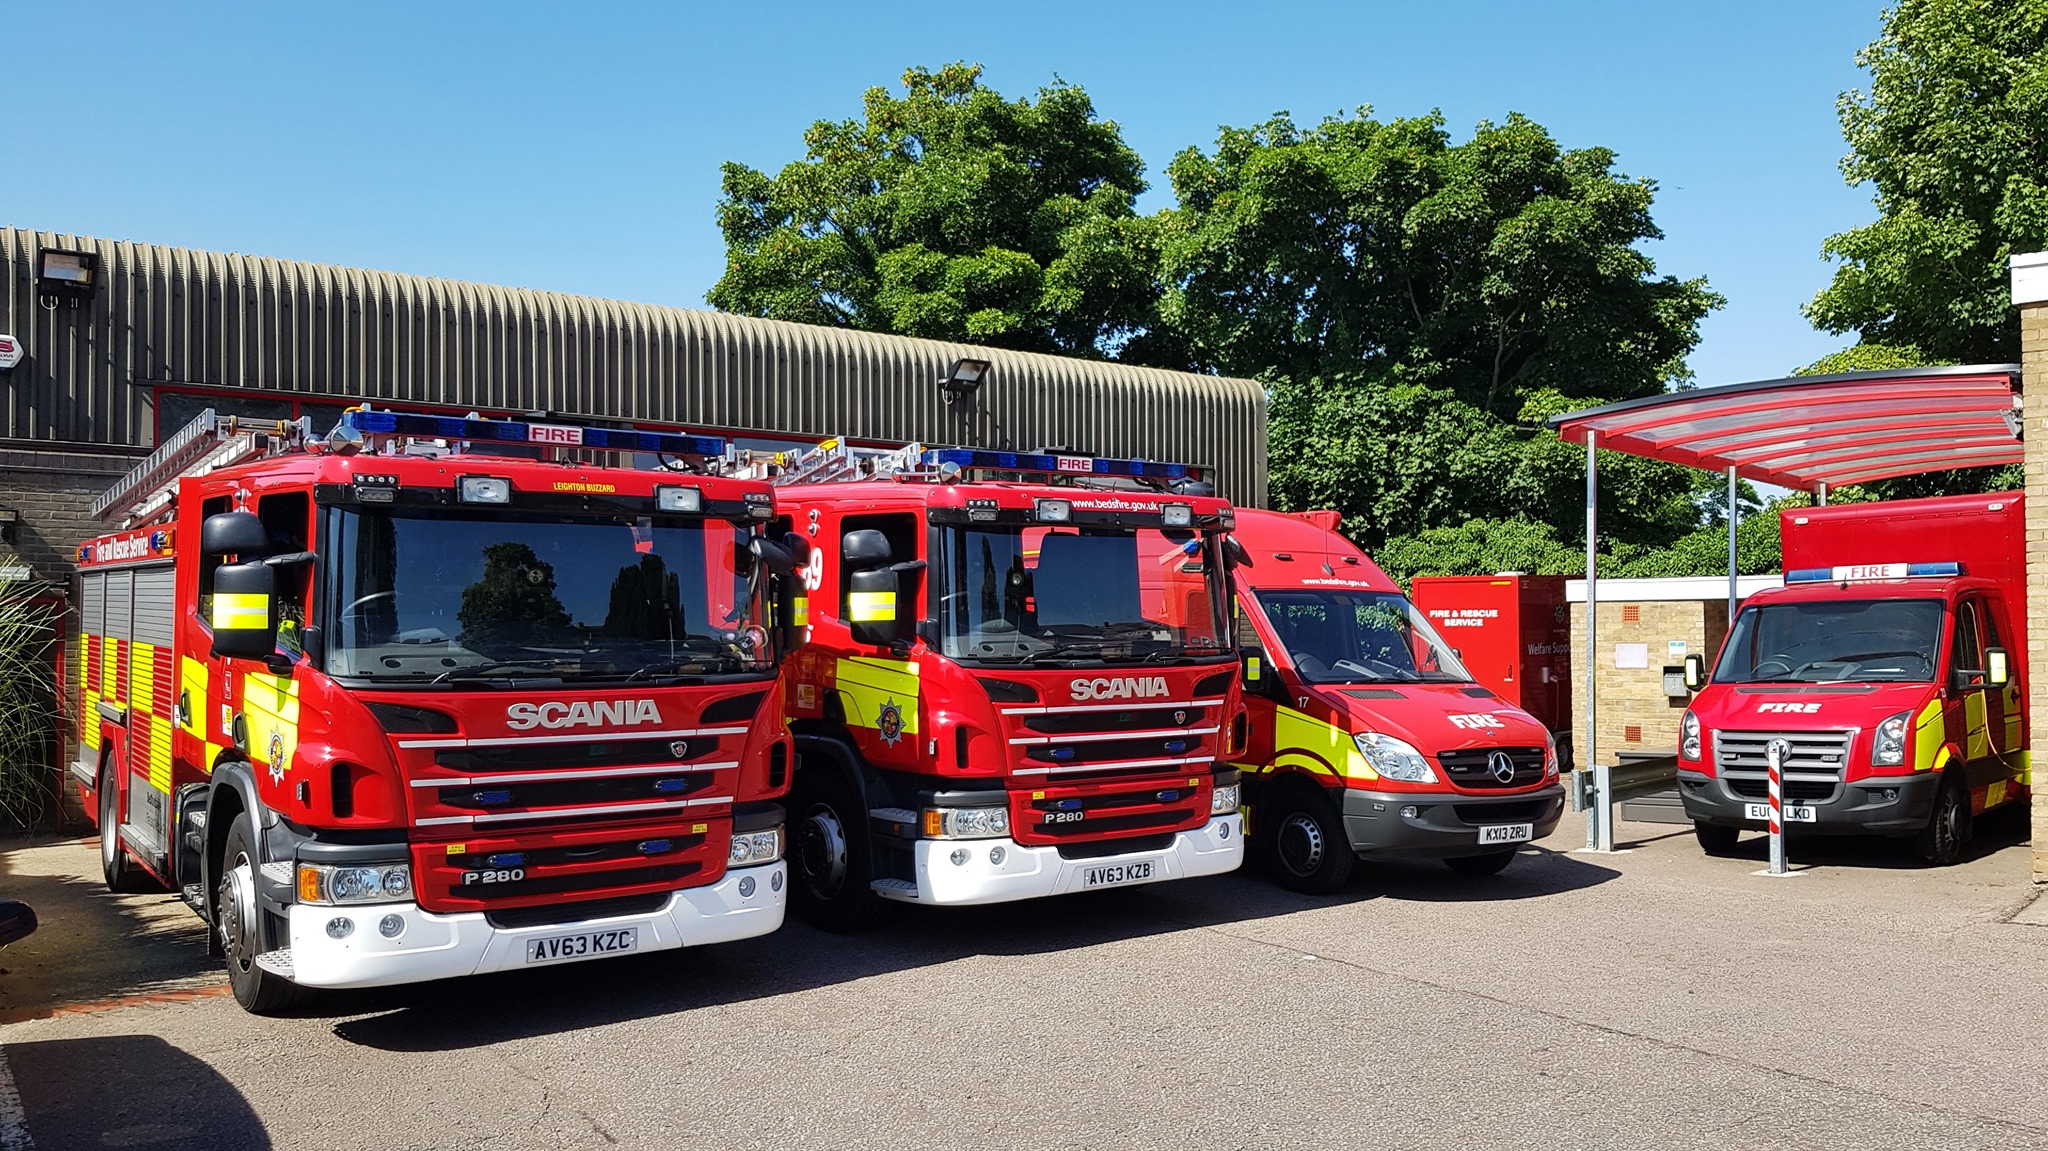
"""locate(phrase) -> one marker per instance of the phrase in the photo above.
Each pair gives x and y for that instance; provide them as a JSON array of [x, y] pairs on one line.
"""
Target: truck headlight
[[673, 499], [1888, 748], [381, 883], [1393, 758], [1689, 735], [484, 490], [751, 847], [1223, 800], [1549, 756], [966, 822]]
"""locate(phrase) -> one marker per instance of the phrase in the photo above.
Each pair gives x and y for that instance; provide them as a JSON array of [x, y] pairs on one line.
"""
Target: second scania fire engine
[[400, 704], [1018, 678]]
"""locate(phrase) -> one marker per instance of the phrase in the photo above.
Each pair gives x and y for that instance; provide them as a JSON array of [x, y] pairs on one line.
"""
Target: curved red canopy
[[1810, 430]]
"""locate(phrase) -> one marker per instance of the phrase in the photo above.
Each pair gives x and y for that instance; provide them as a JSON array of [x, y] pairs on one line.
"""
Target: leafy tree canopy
[[1488, 269], [1953, 135], [950, 213]]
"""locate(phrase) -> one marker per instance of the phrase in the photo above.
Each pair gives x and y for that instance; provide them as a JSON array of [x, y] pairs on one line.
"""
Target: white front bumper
[[1030, 872], [435, 946]]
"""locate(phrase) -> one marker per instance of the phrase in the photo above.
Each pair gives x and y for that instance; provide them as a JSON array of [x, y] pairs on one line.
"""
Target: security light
[[66, 275], [964, 380], [10, 352]]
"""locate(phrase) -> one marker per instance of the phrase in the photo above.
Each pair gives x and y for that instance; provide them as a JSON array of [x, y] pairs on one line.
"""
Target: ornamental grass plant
[[28, 705]]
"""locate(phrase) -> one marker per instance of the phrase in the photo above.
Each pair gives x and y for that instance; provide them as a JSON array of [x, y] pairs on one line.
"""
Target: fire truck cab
[[1016, 679], [1888, 671], [389, 706], [1369, 737]]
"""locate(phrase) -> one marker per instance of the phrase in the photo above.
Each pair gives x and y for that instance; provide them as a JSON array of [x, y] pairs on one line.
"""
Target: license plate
[[1508, 833], [1794, 813], [555, 948], [1112, 874]]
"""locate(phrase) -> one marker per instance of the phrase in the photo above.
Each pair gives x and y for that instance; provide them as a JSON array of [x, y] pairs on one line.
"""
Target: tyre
[[124, 876], [1489, 864], [1305, 845], [1948, 825], [831, 856], [238, 920], [1716, 839]]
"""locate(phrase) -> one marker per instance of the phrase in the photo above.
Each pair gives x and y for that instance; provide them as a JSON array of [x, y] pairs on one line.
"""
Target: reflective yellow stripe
[[868, 685], [870, 606], [803, 611], [240, 612], [1930, 732], [2024, 761], [270, 704], [192, 682], [1308, 743], [1251, 669]]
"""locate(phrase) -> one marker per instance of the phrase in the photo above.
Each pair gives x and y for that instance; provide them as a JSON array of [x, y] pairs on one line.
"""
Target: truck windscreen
[[1359, 637], [1019, 594], [1834, 641], [421, 596]]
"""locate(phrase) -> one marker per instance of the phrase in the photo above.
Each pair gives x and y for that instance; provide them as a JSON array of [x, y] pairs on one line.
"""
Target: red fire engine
[[1017, 678], [1889, 672], [388, 707]]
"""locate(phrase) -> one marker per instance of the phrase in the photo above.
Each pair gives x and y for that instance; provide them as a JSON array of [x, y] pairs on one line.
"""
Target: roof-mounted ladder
[[210, 441]]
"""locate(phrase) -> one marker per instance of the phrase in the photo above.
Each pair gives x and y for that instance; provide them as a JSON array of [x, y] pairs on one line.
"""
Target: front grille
[[1141, 821], [1471, 767], [1115, 810], [1136, 719], [1114, 847], [511, 918], [1811, 771], [572, 756], [496, 797], [1111, 750], [1520, 811]]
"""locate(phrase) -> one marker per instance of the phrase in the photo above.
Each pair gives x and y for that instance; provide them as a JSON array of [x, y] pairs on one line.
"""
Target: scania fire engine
[[1017, 678], [432, 695]]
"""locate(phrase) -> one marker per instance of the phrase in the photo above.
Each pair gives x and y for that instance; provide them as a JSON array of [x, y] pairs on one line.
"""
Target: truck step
[[194, 895], [277, 873], [277, 962], [902, 889], [893, 815], [196, 819]]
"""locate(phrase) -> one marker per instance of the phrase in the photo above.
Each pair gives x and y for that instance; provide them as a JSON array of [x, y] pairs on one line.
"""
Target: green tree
[[513, 603], [1419, 307], [1953, 135], [953, 214]]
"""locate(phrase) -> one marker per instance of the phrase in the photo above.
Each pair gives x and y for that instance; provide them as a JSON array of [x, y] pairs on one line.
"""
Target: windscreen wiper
[[476, 669], [1062, 651]]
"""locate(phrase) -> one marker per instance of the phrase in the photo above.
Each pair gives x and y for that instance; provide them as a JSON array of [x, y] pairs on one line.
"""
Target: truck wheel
[[1306, 847], [124, 876], [834, 861], [1489, 864], [239, 922], [1716, 839], [1948, 825]]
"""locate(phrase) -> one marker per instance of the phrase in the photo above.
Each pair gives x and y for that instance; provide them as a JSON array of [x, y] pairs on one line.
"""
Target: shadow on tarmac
[[1993, 832], [141, 1092], [514, 1005]]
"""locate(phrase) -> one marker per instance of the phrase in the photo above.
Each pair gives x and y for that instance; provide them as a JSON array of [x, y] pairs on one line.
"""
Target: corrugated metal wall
[[172, 315]]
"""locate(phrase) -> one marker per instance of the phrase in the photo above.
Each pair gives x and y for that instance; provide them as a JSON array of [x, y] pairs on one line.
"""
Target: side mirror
[[865, 548], [244, 611], [1695, 672], [1997, 667], [233, 534], [1234, 555], [873, 608], [17, 921], [772, 556]]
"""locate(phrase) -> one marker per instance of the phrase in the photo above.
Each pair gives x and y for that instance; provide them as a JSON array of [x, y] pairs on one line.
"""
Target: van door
[[1967, 704], [1260, 677], [2003, 713]]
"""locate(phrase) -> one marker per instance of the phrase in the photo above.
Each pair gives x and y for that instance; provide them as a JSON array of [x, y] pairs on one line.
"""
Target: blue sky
[[576, 147]]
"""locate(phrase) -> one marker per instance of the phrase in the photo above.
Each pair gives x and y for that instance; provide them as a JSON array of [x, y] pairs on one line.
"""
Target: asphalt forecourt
[[1651, 998]]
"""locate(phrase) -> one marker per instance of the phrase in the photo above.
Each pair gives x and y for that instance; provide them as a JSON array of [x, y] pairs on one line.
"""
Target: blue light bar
[[522, 432], [968, 458], [1852, 573]]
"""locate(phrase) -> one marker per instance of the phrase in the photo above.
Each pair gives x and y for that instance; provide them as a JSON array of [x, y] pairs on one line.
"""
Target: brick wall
[[1632, 700], [2034, 359]]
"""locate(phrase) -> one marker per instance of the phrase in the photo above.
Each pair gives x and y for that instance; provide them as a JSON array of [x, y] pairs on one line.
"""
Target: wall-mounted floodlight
[[66, 275], [10, 352], [10, 525], [965, 379]]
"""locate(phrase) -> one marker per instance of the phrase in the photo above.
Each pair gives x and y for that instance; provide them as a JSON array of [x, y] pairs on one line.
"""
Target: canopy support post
[[1820, 495], [1599, 813], [1734, 517]]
